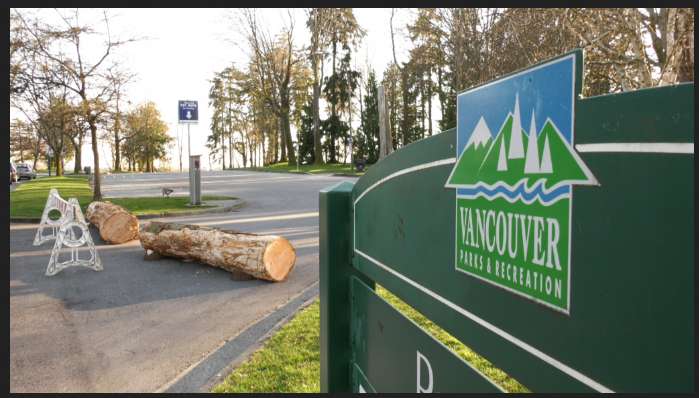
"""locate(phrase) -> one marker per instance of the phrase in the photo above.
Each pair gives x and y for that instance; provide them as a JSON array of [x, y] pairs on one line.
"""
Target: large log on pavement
[[268, 257], [116, 225]]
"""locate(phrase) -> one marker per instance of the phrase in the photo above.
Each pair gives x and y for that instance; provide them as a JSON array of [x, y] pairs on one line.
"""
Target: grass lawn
[[290, 360], [332, 168], [480, 363], [29, 199], [140, 206]]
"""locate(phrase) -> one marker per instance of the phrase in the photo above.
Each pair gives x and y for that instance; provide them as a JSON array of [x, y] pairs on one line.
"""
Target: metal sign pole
[[188, 112]]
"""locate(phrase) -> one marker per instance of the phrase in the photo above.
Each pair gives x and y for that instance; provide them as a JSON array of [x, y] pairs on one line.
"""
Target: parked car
[[13, 173], [25, 171]]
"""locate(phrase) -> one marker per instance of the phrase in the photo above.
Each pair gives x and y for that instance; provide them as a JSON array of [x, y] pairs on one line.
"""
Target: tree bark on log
[[267, 257], [116, 225]]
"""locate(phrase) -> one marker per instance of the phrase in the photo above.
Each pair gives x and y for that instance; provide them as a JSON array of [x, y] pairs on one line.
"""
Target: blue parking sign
[[188, 111]]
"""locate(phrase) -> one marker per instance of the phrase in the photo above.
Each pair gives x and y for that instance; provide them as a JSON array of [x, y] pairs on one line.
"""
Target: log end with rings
[[116, 224]]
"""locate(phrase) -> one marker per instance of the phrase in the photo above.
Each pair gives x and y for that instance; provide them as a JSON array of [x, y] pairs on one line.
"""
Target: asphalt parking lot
[[138, 324]]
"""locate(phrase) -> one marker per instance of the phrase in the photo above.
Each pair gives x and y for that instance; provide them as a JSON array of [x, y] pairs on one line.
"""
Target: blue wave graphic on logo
[[520, 191]]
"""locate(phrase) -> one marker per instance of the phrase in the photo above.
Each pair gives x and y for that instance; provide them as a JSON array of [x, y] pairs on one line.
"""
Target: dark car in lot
[[13, 173], [25, 171]]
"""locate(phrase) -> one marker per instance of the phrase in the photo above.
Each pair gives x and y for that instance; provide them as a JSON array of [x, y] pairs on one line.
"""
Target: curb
[[216, 365], [219, 209], [284, 172], [20, 219]]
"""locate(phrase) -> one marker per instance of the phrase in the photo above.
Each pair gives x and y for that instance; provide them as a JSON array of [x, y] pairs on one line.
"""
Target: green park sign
[[551, 234], [513, 188]]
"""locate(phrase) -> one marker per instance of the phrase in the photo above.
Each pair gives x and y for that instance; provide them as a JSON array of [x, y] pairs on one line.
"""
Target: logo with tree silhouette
[[514, 184]]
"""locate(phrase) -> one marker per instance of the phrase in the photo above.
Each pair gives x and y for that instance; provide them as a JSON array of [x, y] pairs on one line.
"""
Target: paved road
[[137, 325]]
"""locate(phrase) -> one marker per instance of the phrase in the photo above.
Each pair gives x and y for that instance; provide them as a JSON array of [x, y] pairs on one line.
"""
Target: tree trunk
[[282, 134], [385, 141], [440, 92], [263, 149], [429, 104], [349, 124], [230, 149], [286, 131], [223, 152], [116, 225], [315, 52], [274, 144], [37, 149], [266, 257], [77, 146], [253, 155], [57, 161], [97, 176], [423, 114], [117, 153], [679, 47], [317, 149], [333, 110], [405, 120]]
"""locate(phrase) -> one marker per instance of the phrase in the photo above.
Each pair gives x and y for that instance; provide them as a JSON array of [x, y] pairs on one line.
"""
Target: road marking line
[[292, 216]]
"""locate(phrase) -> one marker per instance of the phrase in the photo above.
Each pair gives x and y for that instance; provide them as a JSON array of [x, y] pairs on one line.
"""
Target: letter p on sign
[[423, 359]]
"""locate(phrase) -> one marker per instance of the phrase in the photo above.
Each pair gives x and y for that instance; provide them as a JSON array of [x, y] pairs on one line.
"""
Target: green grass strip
[[140, 206], [283, 167], [29, 199], [288, 362], [459, 348]]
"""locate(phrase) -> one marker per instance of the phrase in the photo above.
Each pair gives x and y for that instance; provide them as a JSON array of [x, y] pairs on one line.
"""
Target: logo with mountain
[[536, 161], [514, 196]]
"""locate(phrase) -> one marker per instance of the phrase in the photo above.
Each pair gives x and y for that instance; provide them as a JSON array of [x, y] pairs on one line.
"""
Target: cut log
[[267, 257], [116, 225]]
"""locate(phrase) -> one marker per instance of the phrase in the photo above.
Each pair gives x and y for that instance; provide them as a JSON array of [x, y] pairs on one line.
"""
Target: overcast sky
[[183, 48]]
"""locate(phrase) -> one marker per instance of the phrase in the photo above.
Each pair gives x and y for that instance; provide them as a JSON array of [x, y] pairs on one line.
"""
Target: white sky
[[185, 47]]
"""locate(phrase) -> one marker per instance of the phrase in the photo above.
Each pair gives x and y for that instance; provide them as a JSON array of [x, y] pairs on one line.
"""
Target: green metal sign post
[[595, 196]]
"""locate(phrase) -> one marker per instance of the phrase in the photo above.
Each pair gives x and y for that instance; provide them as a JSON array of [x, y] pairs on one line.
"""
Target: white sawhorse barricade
[[63, 231]]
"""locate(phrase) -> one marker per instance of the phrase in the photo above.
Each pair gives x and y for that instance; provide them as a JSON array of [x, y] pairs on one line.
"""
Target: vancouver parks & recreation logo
[[514, 195]]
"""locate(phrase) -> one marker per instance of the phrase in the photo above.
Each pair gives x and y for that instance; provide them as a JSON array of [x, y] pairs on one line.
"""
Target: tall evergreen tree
[[306, 137], [367, 141], [344, 34]]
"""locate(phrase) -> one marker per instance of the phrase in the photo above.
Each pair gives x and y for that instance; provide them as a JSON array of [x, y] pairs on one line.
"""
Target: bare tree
[[118, 80], [672, 34], [318, 25], [404, 85], [273, 61], [618, 56], [62, 50]]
